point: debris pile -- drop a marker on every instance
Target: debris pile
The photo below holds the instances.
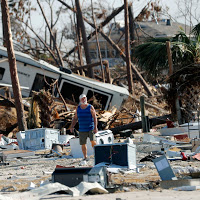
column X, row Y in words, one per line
column 44, row 110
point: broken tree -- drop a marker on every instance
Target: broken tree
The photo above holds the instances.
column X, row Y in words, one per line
column 13, row 66
column 85, row 43
column 111, row 42
column 127, row 47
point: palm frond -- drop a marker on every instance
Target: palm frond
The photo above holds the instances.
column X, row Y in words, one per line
column 196, row 31
column 152, row 57
column 181, row 37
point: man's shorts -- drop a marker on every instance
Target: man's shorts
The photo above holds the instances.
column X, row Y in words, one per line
column 84, row 135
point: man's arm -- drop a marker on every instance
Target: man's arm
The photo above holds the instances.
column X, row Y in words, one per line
column 93, row 112
column 74, row 121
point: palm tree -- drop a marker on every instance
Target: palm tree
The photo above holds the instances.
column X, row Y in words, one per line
column 152, row 55
column 185, row 81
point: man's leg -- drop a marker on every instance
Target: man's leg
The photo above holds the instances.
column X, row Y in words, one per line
column 93, row 143
column 92, row 138
column 84, row 150
column 83, row 140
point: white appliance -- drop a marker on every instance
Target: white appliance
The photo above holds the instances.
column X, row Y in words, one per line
column 40, row 138
column 102, row 137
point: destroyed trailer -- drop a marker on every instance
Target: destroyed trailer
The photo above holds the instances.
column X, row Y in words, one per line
column 36, row 75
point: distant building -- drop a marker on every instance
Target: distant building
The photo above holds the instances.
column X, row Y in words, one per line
column 164, row 28
column 143, row 30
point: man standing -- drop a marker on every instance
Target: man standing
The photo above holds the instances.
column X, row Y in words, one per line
column 86, row 116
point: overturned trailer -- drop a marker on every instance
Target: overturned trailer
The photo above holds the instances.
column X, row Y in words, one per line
column 36, row 75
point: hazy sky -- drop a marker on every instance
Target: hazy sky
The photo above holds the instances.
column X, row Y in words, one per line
column 170, row 6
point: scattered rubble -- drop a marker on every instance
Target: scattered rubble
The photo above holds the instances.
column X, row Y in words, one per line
column 22, row 173
column 30, row 159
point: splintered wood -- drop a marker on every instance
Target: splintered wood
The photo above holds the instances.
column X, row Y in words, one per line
column 44, row 110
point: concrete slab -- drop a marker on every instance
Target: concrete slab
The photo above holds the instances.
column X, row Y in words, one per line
column 7, row 155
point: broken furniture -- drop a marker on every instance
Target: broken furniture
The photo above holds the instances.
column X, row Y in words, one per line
column 102, row 137
column 123, row 154
column 73, row 176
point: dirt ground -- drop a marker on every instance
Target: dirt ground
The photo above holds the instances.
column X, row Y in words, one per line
column 139, row 195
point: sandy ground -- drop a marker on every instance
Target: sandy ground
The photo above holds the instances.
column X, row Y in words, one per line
column 139, row 195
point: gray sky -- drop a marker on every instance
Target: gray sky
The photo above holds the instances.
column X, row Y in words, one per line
column 137, row 7
column 170, row 6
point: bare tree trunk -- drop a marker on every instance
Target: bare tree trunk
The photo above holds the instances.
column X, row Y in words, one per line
column 73, row 29
column 57, row 50
column 50, row 39
column 85, row 42
column 127, row 48
column 79, row 46
column 169, row 55
column 131, row 30
column 45, row 35
column 61, row 39
column 79, row 36
column 13, row 67
column 80, row 55
column 3, row 29
column 98, row 46
column 55, row 37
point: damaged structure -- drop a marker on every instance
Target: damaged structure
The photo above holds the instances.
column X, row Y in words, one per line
column 36, row 75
